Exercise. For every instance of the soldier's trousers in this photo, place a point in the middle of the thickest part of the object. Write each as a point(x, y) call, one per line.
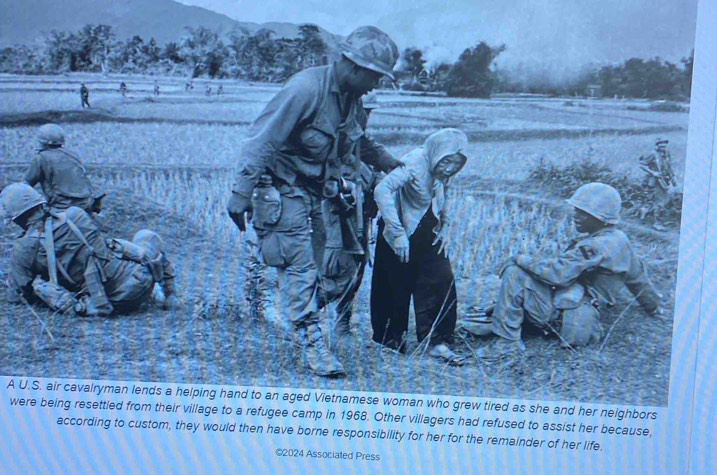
point(294, 246)
point(342, 278)
point(521, 295)
point(427, 277)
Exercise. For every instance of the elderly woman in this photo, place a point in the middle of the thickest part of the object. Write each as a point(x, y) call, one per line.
point(410, 257)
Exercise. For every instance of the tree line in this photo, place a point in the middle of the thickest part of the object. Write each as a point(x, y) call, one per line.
point(257, 56)
point(260, 56)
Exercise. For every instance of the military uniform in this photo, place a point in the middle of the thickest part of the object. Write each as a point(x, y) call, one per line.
point(293, 154)
point(63, 178)
point(85, 262)
point(659, 176)
point(589, 273)
point(298, 139)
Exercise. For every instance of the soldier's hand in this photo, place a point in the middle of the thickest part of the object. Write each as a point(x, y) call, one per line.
point(237, 208)
point(401, 247)
point(395, 163)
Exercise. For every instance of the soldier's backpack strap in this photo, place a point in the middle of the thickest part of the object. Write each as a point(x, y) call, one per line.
point(93, 255)
point(49, 244)
point(52, 263)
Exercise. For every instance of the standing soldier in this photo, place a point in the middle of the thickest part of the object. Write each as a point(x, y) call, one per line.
point(68, 249)
point(123, 89)
point(156, 88)
point(290, 164)
point(208, 90)
point(220, 90)
point(348, 226)
point(564, 293)
point(60, 173)
point(659, 178)
point(85, 95)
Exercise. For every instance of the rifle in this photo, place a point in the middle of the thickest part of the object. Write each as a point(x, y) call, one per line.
point(663, 181)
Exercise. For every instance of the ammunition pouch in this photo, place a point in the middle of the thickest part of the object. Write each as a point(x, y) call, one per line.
point(266, 203)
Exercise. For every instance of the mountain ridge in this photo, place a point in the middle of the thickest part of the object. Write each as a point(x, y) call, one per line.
point(27, 22)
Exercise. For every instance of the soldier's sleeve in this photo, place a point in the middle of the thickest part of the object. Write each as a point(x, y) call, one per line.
point(376, 155)
point(566, 268)
point(21, 274)
point(640, 285)
point(291, 106)
point(34, 174)
point(385, 197)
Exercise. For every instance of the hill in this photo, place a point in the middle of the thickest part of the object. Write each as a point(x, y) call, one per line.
point(27, 21)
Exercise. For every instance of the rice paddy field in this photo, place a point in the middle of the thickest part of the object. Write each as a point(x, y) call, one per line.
point(167, 163)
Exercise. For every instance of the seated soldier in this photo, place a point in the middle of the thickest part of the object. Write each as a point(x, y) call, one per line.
point(565, 293)
point(60, 173)
point(66, 248)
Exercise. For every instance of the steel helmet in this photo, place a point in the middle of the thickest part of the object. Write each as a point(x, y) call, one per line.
point(18, 198)
point(151, 243)
point(50, 134)
point(599, 200)
point(660, 141)
point(581, 326)
point(372, 49)
point(370, 101)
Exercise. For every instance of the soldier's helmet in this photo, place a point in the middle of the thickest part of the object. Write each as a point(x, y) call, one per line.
point(599, 200)
point(370, 101)
point(661, 141)
point(372, 49)
point(50, 134)
point(18, 198)
point(150, 241)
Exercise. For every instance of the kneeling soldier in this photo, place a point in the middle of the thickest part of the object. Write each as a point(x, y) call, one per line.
point(565, 293)
point(66, 248)
point(60, 173)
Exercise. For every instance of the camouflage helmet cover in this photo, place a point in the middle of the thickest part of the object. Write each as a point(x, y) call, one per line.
point(18, 198)
point(370, 101)
point(661, 141)
point(371, 48)
point(599, 200)
point(50, 134)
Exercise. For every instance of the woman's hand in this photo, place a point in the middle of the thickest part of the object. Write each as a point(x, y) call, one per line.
point(401, 247)
point(440, 231)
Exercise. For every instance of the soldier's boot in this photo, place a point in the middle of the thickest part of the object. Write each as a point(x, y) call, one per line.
point(342, 327)
point(500, 349)
point(171, 301)
point(317, 357)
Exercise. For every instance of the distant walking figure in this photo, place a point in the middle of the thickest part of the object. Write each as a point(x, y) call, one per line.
point(85, 95)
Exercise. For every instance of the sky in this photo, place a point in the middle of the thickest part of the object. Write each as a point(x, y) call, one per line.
point(555, 35)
